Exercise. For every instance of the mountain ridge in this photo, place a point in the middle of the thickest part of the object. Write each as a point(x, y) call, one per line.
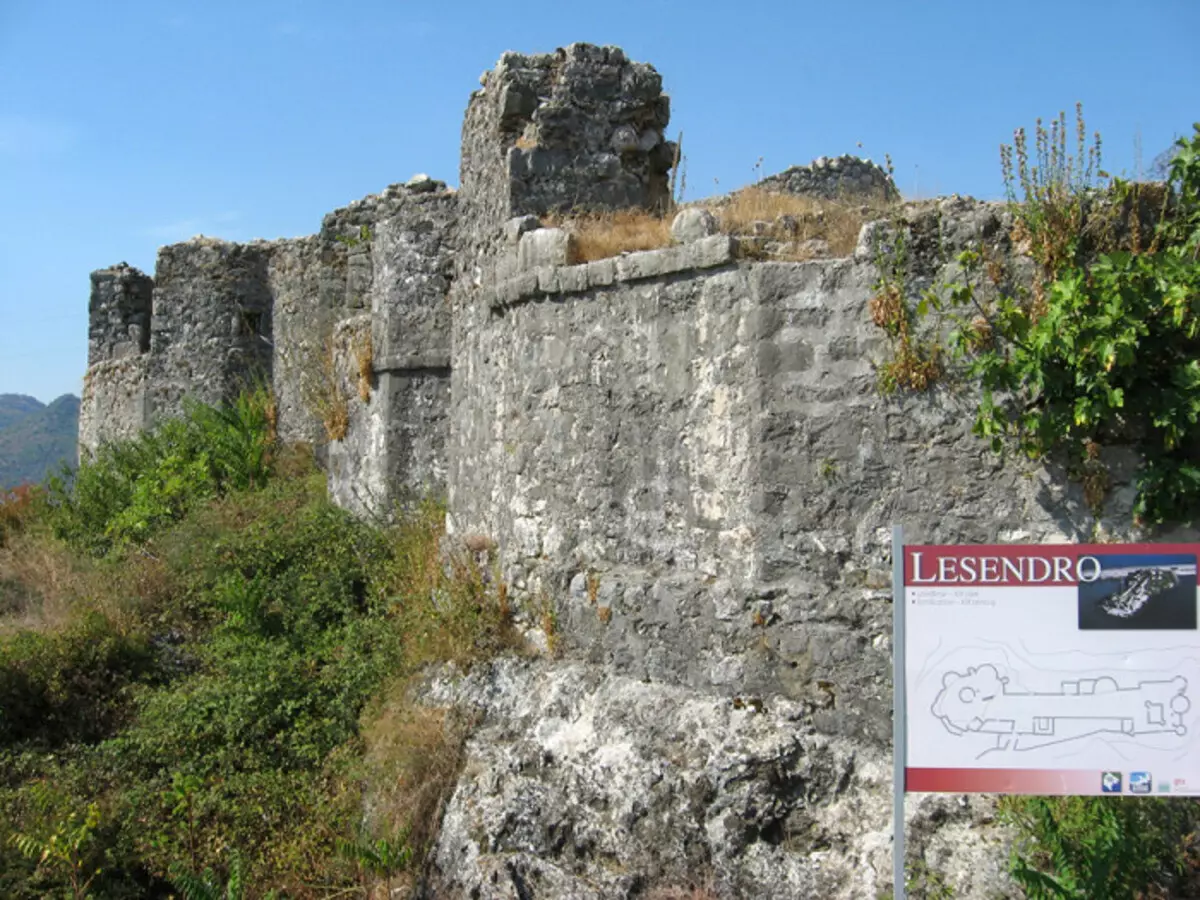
point(36, 438)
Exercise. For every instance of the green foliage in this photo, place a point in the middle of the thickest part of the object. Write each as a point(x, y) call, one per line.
point(916, 361)
point(1113, 357)
point(1106, 348)
point(131, 489)
point(221, 701)
point(69, 685)
point(65, 847)
point(209, 885)
point(384, 859)
point(1100, 848)
point(363, 236)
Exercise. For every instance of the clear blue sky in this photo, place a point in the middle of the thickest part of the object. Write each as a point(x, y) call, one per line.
point(128, 124)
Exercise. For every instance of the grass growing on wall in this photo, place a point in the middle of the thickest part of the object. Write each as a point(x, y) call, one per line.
point(760, 218)
point(197, 694)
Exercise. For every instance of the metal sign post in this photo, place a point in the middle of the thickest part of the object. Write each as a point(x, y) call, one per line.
point(899, 712)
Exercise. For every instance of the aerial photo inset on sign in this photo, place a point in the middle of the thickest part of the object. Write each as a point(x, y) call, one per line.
point(1140, 591)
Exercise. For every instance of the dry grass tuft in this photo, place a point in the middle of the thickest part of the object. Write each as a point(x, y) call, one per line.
point(364, 357)
point(41, 583)
point(769, 225)
point(44, 586)
point(17, 508)
point(413, 758)
point(603, 235)
point(321, 387)
point(479, 543)
point(796, 221)
point(449, 607)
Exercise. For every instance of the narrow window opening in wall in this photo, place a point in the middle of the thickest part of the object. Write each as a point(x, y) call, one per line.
point(250, 323)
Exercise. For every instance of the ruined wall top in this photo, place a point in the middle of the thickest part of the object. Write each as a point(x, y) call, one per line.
point(838, 178)
point(118, 313)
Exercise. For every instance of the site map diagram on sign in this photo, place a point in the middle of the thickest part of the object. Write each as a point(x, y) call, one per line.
point(1052, 669)
point(981, 700)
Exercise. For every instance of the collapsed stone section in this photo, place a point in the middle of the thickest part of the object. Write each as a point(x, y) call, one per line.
point(119, 313)
point(847, 178)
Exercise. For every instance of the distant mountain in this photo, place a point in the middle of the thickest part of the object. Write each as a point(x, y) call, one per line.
point(17, 406)
point(36, 439)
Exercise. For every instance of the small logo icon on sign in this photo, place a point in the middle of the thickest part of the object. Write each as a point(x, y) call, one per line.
point(1164, 787)
point(1140, 782)
point(1110, 783)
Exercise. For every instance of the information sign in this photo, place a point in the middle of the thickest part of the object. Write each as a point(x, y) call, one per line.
point(1051, 669)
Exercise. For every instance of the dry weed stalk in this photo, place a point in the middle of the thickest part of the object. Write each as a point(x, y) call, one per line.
point(364, 357)
point(335, 414)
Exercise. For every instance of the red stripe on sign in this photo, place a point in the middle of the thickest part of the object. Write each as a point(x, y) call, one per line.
point(1017, 565)
point(1003, 781)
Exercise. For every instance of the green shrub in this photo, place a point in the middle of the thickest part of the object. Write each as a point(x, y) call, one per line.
point(243, 725)
point(129, 489)
point(1113, 357)
point(71, 685)
point(1106, 347)
point(1100, 848)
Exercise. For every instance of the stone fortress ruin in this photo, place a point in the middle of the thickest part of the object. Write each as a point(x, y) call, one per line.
point(683, 451)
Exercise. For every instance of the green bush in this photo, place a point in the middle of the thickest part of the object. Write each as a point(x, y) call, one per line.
point(1101, 848)
point(71, 685)
point(1106, 347)
point(1113, 357)
point(129, 489)
point(215, 737)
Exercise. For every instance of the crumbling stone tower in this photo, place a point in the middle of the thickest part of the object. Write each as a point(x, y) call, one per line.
point(579, 129)
point(114, 390)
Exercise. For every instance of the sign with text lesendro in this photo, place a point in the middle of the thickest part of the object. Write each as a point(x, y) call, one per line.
point(1053, 669)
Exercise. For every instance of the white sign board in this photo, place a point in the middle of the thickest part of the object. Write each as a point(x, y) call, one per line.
point(1053, 669)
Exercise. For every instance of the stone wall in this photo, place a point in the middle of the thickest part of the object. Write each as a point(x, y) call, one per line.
point(686, 457)
point(225, 314)
point(400, 265)
point(210, 332)
point(114, 403)
point(689, 454)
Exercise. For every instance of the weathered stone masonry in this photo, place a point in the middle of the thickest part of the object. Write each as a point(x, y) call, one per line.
point(682, 452)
